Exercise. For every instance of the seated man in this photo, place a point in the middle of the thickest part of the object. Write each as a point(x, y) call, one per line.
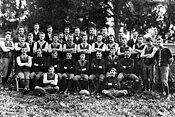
point(38, 68)
point(112, 61)
point(56, 62)
point(126, 68)
point(98, 71)
point(24, 63)
point(50, 81)
point(68, 67)
point(82, 69)
point(110, 87)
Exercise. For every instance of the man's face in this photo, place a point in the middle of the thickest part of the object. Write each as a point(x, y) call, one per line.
point(135, 35)
point(42, 36)
point(30, 37)
point(150, 43)
point(140, 39)
point(21, 30)
point(82, 56)
point(91, 31)
point(51, 70)
point(77, 31)
point(112, 72)
point(24, 50)
point(39, 52)
point(61, 36)
point(55, 38)
point(66, 30)
point(99, 55)
point(127, 54)
point(8, 36)
point(104, 31)
point(124, 41)
point(54, 55)
point(22, 39)
point(99, 38)
point(36, 27)
point(111, 39)
point(49, 30)
point(69, 55)
point(84, 38)
point(71, 38)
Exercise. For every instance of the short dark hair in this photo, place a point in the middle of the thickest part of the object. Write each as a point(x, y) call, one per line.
point(49, 26)
point(99, 34)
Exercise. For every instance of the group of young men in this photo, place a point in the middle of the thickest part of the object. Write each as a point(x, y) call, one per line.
point(69, 62)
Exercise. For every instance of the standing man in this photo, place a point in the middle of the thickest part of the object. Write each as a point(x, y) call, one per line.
point(7, 47)
point(70, 46)
point(41, 44)
point(132, 42)
point(36, 32)
point(49, 34)
point(98, 46)
point(149, 65)
point(84, 47)
point(66, 35)
point(77, 36)
point(105, 38)
point(91, 37)
point(21, 31)
point(164, 59)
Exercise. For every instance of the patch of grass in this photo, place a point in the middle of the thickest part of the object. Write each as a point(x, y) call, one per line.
point(15, 104)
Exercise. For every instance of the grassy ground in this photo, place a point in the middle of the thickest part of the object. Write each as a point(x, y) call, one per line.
point(14, 104)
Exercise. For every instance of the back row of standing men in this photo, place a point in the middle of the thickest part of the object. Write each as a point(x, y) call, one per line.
point(75, 46)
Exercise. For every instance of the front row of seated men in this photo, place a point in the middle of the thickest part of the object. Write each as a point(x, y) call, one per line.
point(70, 75)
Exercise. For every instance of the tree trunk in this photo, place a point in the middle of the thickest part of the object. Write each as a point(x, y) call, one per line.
point(117, 4)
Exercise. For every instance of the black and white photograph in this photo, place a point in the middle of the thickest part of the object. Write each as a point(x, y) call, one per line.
point(87, 58)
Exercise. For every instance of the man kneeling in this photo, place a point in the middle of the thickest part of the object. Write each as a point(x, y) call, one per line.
point(50, 81)
point(111, 87)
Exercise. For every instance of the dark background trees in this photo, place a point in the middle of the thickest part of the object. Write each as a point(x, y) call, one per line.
point(137, 15)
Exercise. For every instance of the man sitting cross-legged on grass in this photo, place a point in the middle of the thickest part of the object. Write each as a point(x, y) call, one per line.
point(110, 87)
point(50, 81)
point(55, 61)
point(24, 63)
point(38, 68)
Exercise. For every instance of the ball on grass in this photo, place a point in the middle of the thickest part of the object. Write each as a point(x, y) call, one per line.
point(84, 92)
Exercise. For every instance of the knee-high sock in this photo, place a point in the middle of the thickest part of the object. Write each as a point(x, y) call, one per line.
point(85, 84)
point(63, 84)
point(98, 86)
point(69, 84)
point(78, 84)
point(27, 84)
point(22, 82)
point(91, 85)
